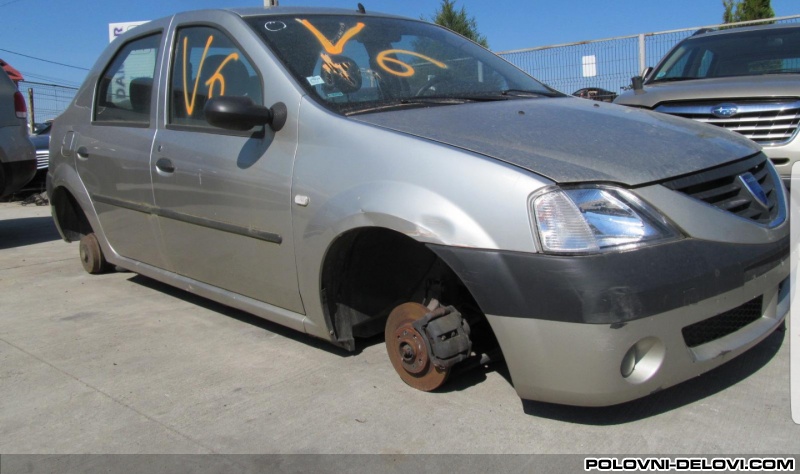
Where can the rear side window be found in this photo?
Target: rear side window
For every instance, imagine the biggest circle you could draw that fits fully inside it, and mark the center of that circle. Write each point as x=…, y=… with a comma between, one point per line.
x=126, y=85
x=207, y=64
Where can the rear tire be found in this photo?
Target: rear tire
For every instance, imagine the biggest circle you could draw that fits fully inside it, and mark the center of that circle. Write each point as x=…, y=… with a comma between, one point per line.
x=92, y=258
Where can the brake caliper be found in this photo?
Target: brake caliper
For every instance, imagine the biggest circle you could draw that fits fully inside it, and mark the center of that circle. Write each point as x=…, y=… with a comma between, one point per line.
x=446, y=335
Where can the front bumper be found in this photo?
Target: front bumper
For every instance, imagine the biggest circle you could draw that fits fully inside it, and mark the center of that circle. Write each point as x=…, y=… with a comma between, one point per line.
x=569, y=327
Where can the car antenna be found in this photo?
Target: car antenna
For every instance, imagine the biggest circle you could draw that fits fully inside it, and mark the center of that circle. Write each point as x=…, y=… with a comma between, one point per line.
x=361, y=9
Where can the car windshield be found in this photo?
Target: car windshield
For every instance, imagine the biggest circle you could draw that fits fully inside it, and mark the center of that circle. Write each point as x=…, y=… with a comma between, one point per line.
x=355, y=64
x=744, y=53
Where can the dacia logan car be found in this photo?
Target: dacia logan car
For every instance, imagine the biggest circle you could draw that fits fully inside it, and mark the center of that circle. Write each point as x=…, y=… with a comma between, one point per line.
x=350, y=174
x=744, y=79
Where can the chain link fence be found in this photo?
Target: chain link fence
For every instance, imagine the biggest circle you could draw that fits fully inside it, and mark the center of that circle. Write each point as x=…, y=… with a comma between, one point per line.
x=45, y=101
x=603, y=67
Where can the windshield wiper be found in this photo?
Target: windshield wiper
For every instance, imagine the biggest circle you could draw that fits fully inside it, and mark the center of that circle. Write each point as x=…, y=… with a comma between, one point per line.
x=784, y=71
x=423, y=101
x=524, y=93
x=407, y=102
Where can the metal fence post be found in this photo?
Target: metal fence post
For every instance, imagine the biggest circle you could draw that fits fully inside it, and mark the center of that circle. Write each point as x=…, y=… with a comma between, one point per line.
x=642, y=54
x=32, y=111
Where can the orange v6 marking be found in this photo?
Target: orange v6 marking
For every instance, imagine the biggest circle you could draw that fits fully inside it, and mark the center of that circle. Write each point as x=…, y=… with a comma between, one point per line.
x=407, y=70
x=215, y=78
x=326, y=43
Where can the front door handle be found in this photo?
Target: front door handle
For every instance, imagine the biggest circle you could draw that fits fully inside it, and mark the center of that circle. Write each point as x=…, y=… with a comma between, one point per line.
x=165, y=165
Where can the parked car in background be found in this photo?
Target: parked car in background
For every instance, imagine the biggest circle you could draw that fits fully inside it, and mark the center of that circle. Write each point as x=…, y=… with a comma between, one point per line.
x=41, y=140
x=350, y=174
x=17, y=155
x=595, y=93
x=744, y=79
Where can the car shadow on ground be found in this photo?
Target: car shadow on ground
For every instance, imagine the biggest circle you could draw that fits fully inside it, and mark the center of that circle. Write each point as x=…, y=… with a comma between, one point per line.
x=457, y=382
x=239, y=315
x=686, y=393
x=27, y=231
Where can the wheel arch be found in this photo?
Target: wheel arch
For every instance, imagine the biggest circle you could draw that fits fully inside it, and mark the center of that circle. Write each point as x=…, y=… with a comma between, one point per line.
x=69, y=217
x=367, y=271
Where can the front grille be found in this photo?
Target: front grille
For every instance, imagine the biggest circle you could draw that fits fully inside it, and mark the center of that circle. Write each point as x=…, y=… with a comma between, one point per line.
x=725, y=188
x=765, y=122
x=723, y=324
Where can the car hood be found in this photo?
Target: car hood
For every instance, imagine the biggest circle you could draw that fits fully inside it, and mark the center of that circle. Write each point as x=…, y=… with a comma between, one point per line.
x=722, y=88
x=571, y=140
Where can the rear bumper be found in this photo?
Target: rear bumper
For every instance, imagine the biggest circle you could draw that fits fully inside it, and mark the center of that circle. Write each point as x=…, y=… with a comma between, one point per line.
x=604, y=330
x=15, y=175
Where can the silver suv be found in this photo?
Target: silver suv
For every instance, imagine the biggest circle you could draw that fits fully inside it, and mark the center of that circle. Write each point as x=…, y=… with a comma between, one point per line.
x=17, y=153
x=352, y=174
x=744, y=79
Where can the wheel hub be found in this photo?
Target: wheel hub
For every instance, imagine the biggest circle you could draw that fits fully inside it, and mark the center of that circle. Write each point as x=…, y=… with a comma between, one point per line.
x=408, y=350
x=411, y=349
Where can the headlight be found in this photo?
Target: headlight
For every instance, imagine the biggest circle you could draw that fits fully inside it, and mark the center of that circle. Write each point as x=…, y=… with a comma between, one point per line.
x=595, y=219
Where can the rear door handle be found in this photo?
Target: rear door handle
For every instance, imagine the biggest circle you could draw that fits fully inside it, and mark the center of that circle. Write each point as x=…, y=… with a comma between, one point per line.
x=165, y=165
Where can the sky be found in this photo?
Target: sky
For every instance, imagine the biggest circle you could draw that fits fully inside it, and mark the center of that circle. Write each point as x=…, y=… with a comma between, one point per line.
x=74, y=33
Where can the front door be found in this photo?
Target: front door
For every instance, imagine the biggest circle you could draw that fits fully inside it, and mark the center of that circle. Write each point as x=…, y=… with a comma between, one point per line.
x=223, y=197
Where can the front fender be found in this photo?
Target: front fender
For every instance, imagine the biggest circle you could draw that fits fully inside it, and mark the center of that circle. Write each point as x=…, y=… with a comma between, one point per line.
x=406, y=208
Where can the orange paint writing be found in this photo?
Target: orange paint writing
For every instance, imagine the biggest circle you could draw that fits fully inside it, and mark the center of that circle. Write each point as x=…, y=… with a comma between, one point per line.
x=326, y=43
x=406, y=69
x=216, y=78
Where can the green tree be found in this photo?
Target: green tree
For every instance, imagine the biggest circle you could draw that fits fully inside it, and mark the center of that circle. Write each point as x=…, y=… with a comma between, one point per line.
x=457, y=20
x=745, y=10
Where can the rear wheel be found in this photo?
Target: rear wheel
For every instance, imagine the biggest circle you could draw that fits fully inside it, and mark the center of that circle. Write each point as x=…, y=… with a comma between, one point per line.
x=91, y=255
x=408, y=350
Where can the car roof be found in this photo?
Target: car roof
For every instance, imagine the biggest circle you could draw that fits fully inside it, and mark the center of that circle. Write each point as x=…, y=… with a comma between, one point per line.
x=270, y=11
x=744, y=29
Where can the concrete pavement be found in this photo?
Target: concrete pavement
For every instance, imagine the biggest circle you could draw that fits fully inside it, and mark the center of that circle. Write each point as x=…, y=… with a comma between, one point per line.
x=119, y=363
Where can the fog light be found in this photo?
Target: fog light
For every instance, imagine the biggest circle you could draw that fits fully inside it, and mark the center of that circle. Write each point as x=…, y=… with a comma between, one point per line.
x=642, y=360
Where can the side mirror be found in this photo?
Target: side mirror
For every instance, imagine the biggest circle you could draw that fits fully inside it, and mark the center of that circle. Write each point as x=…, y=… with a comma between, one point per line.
x=241, y=113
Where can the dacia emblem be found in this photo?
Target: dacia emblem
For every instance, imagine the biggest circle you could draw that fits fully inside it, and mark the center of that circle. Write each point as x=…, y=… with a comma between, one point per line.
x=752, y=186
x=725, y=110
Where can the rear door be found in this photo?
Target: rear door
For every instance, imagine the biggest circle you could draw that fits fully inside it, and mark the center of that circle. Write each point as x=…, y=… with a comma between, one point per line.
x=223, y=197
x=112, y=152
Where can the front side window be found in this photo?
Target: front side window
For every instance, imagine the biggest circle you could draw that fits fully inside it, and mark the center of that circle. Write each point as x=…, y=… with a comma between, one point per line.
x=207, y=64
x=125, y=88
x=356, y=64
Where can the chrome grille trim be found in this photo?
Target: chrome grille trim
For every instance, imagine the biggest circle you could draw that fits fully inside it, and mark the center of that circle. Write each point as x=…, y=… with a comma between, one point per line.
x=767, y=123
x=42, y=159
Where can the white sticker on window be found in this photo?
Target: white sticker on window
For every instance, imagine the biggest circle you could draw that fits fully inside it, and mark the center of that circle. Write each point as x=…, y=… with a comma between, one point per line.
x=315, y=80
